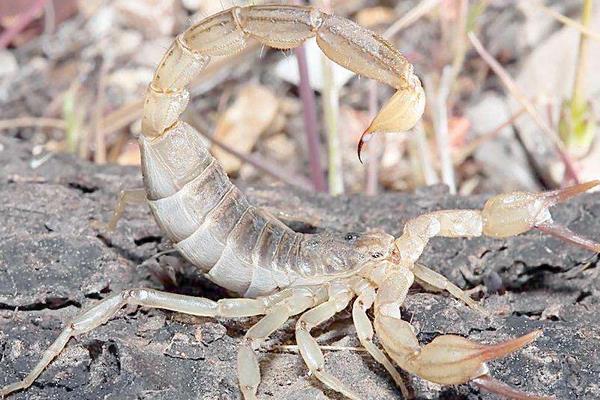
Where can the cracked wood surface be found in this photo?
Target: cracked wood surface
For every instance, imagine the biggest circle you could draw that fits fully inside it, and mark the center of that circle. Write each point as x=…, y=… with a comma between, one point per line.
x=53, y=262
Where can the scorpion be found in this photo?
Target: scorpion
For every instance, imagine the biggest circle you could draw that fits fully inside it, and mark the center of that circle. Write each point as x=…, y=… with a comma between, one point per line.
x=280, y=273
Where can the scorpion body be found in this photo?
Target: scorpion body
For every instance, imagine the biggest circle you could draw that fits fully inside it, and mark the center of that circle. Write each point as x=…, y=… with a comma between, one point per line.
x=281, y=273
x=241, y=247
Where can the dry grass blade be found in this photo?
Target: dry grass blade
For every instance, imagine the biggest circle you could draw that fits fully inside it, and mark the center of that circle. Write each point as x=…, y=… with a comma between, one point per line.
x=470, y=148
x=440, y=124
x=411, y=17
x=518, y=94
x=32, y=122
x=270, y=169
x=569, y=22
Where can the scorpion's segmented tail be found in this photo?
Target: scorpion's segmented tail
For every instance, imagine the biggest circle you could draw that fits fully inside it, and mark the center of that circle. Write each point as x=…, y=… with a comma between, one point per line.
x=191, y=197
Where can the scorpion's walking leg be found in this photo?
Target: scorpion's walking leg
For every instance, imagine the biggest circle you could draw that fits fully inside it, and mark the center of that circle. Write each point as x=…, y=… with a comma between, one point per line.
x=126, y=197
x=276, y=316
x=440, y=282
x=339, y=297
x=105, y=309
x=448, y=359
x=364, y=330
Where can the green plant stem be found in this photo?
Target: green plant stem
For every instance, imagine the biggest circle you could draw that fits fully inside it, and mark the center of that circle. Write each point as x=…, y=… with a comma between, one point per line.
x=578, y=99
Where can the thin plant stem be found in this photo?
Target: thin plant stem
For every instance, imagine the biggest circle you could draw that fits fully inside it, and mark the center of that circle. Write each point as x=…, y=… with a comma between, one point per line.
x=22, y=21
x=422, y=171
x=32, y=122
x=372, y=181
x=410, y=17
x=577, y=124
x=257, y=162
x=100, y=137
x=585, y=30
x=310, y=122
x=331, y=112
x=460, y=41
x=578, y=100
x=440, y=125
x=375, y=145
x=517, y=93
x=470, y=148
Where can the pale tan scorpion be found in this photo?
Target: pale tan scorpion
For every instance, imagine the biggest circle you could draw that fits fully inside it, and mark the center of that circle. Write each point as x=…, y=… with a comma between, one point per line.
x=282, y=273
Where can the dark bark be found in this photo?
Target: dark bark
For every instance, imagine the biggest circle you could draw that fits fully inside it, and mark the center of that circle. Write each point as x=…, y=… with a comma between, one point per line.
x=53, y=262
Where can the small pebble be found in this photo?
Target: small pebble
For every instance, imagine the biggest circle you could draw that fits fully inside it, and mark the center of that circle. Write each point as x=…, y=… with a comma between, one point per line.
x=8, y=63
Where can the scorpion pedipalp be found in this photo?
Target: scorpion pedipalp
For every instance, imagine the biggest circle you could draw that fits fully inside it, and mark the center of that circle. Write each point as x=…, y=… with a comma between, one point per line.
x=514, y=213
x=451, y=359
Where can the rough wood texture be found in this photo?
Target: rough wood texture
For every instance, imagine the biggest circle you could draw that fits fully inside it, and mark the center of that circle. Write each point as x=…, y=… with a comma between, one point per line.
x=53, y=262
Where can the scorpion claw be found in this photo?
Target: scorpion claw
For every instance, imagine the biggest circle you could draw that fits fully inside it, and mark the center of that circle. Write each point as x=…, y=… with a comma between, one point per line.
x=564, y=233
x=552, y=228
x=489, y=384
x=514, y=213
x=559, y=196
x=466, y=357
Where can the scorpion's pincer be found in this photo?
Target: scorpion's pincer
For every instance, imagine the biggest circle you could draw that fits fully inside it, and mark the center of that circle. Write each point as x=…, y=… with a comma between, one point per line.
x=514, y=213
x=451, y=359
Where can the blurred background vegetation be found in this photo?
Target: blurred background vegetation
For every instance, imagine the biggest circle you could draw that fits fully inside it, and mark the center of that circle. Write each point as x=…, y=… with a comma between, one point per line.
x=512, y=89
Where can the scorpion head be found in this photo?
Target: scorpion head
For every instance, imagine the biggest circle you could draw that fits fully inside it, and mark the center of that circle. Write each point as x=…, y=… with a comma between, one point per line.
x=346, y=251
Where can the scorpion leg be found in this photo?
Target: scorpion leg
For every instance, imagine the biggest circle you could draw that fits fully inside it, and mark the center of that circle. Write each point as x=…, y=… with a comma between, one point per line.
x=364, y=330
x=339, y=298
x=438, y=281
x=101, y=312
x=448, y=359
x=126, y=197
x=276, y=316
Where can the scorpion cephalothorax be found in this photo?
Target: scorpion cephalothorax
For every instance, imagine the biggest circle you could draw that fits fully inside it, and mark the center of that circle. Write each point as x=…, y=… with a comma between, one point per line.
x=279, y=272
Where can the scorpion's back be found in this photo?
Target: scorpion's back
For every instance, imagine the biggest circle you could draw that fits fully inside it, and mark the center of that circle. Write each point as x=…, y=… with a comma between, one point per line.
x=209, y=219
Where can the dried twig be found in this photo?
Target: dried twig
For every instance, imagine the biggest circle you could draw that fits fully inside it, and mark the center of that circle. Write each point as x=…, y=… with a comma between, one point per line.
x=310, y=122
x=410, y=17
x=295, y=349
x=259, y=163
x=470, y=147
x=440, y=125
x=100, y=150
x=517, y=93
x=23, y=20
x=32, y=122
